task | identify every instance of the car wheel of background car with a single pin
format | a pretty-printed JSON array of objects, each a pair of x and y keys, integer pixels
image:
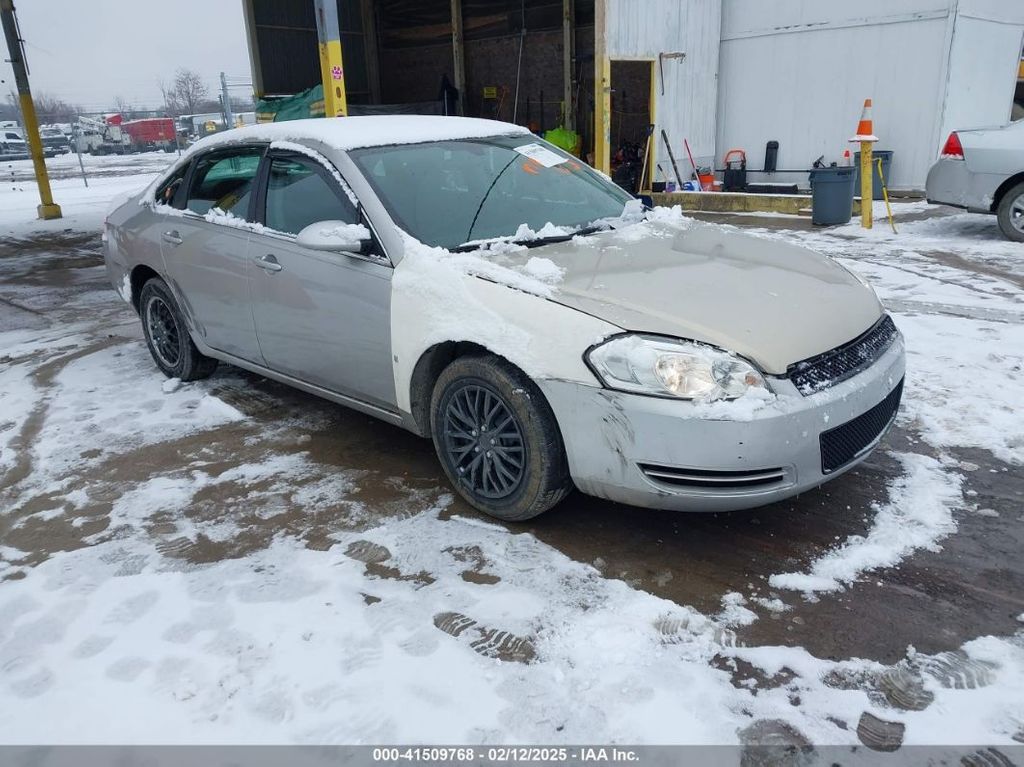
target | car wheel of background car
[
  {"x": 167, "y": 335},
  {"x": 1011, "y": 213},
  {"x": 497, "y": 439}
]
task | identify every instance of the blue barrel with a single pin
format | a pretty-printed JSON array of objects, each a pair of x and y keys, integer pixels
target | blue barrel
[
  {"x": 876, "y": 180},
  {"x": 831, "y": 195}
]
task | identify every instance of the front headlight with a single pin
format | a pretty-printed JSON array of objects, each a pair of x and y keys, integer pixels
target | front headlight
[{"x": 669, "y": 368}]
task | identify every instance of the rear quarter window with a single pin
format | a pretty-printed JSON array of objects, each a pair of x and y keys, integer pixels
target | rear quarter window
[{"x": 224, "y": 182}]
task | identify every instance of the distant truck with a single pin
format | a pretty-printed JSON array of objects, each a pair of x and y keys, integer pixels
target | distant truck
[
  {"x": 200, "y": 125},
  {"x": 95, "y": 136},
  {"x": 54, "y": 141},
  {"x": 151, "y": 134}
]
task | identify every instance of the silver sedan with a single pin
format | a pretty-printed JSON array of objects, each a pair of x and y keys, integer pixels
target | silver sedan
[
  {"x": 982, "y": 170},
  {"x": 473, "y": 284}
]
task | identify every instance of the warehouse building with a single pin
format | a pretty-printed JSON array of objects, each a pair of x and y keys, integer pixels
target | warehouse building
[{"x": 710, "y": 75}]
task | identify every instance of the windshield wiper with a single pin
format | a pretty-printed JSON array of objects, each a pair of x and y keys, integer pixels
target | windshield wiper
[{"x": 531, "y": 242}]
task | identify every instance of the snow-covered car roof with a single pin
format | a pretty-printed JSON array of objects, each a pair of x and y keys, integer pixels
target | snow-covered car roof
[
  {"x": 347, "y": 133},
  {"x": 356, "y": 132}
]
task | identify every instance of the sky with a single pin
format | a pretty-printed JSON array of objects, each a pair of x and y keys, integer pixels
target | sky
[{"x": 88, "y": 53}]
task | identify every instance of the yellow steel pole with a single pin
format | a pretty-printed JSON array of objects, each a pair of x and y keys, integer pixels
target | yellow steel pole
[
  {"x": 332, "y": 68},
  {"x": 866, "y": 137},
  {"x": 602, "y": 91},
  {"x": 867, "y": 168},
  {"x": 47, "y": 208}
]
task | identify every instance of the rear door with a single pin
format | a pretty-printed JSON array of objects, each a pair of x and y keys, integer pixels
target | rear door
[
  {"x": 204, "y": 248},
  {"x": 321, "y": 317}
]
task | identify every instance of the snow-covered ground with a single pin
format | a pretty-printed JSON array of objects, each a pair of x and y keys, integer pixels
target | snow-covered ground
[{"x": 138, "y": 605}]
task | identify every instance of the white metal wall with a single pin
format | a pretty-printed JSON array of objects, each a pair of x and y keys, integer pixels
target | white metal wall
[
  {"x": 792, "y": 72},
  {"x": 798, "y": 71},
  {"x": 642, "y": 30}
]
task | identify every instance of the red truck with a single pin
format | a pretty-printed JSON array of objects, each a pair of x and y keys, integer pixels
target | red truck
[{"x": 150, "y": 134}]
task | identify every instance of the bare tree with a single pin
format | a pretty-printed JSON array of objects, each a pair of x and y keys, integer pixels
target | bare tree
[
  {"x": 124, "y": 107},
  {"x": 185, "y": 93},
  {"x": 189, "y": 89},
  {"x": 50, "y": 109},
  {"x": 170, "y": 100}
]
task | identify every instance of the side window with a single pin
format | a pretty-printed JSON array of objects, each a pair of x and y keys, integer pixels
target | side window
[
  {"x": 299, "y": 194},
  {"x": 224, "y": 181},
  {"x": 167, "y": 191}
]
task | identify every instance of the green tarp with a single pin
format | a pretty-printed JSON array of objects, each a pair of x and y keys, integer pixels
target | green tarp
[{"x": 309, "y": 103}]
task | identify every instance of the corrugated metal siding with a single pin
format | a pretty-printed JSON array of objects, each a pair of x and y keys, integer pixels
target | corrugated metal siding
[
  {"x": 790, "y": 71},
  {"x": 687, "y": 110},
  {"x": 798, "y": 80}
]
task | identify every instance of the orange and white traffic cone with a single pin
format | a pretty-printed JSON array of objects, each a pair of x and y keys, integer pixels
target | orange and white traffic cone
[
  {"x": 866, "y": 126},
  {"x": 847, "y": 158}
]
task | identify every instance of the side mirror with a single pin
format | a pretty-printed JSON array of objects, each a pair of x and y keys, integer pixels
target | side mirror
[{"x": 334, "y": 236}]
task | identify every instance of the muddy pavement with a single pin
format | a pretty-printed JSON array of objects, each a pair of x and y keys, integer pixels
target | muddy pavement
[{"x": 286, "y": 463}]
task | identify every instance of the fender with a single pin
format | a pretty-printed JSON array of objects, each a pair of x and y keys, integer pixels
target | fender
[{"x": 433, "y": 302}]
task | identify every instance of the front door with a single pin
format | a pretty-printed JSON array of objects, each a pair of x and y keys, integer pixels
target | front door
[
  {"x": 205, "y": 246},
  {"x": 321, "y": 317}
]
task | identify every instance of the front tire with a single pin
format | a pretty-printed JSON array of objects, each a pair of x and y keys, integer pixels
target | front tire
[
  {"x": 1011, "y": 214},
  {"x": 497, "y": 439},
  {"x": 167, "y": 335}
]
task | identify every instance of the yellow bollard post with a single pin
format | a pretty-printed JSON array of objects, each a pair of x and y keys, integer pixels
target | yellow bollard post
[
  {"x": 47, "y": 208},
  {"x": 602, "y": 90},
  {"x": 867, "y": 191},
  {"x": 866, "y": 138},
  {"x": 332, "y": 68}
]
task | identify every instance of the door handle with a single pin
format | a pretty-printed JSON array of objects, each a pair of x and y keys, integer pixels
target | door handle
[
  {"x": 172, "y": 237},
  {"x": 268, "y": 263}
]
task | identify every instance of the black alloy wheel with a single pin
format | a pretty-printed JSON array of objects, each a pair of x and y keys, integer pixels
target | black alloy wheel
[
  {"x": 497, "y": 438},
  {"x": 483, "y": 441}
]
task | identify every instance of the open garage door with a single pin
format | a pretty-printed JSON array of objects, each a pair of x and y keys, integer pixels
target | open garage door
[{"x": 524, "y": 61}]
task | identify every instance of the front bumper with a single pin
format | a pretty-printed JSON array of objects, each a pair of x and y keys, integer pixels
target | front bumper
[{"x": 655, "y": 452}]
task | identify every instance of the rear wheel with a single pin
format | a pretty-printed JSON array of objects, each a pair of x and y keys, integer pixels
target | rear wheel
[
  {"x": 167, "y": 335},
  {"x": 497, "y": 439},
  {"x": 1011, "y": 213}
]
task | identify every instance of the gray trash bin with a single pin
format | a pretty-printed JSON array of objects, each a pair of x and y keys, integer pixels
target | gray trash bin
[
  {"x": 876, "y": 180},
  {"x": 831, "y": 195}
]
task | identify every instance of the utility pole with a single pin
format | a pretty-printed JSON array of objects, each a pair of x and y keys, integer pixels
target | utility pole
[
  {"x": 229, "y": 118},
  {"x": 47, "y": 208}
]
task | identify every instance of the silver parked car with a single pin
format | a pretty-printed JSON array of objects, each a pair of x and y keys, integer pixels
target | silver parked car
[
  {"x": 12, "y": 145},
  {"x": 982, "y": 170},
  {"x": 466, "y": 281}
]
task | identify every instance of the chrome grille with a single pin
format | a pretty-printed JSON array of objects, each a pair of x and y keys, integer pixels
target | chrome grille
[{"x": 710, "y": 479}]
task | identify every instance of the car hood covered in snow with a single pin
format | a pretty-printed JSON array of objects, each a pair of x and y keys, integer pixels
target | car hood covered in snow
[{"x": 766, "y": 300}]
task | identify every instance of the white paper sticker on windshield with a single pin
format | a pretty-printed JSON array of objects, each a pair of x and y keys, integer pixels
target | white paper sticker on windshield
[{"x": 541, "y": 154}]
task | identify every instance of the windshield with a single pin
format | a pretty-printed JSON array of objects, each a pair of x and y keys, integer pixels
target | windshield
[{"x": 448, "y": 193}]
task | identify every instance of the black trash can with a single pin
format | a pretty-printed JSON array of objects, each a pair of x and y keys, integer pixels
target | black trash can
[
  {"x": 831, "y": 195},
  {"x": 876, "y": 180}
]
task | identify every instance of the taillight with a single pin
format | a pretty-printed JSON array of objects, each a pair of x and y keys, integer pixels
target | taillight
[{"x": 952, "y": 148}]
